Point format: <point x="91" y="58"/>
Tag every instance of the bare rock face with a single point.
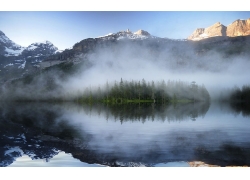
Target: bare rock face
<point x="142" y="32"/>
<point x="239" y="28"/>
<point x="196" y="33"/>
<point x="217" y="29"/>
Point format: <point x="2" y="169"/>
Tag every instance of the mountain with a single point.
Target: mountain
<point x="40" y="48"/>
<point x="91" y="44"/>
<point x="140" y="34"/>
<point x="179" y="53"/>
<point x="8" y="47"/>
<point x="16" y="60"/>
<point x="237" y="28"/>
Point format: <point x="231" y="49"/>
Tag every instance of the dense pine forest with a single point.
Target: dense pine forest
<point x="142" y="92"/>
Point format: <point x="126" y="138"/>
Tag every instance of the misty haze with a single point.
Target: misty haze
<point x="128" y="99"/>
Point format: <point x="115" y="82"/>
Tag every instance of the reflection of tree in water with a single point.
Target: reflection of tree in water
<point x="45" y="130"/>
<point x="150" y="112"/>
<point x="241" y="107"/>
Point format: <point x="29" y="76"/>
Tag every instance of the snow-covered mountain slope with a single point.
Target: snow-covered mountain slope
<point x="16" y="61"/>
<point x="8" y="47"/>
<point x="40" y="49"/>
<point x="44" y="44"/>
<point x="140" y="34"/>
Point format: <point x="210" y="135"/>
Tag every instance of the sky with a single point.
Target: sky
<point x="64" y="28"/>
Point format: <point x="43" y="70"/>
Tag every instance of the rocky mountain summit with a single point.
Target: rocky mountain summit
<point x="140" y="34"/>
<point x="112" y="39"/>
<point x="16" y="60"/>
<point x="39" y="50"/>
<point x="8" y="47"/>
<point x="237" y="28"/>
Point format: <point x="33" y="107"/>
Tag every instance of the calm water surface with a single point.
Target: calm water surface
<point x="43" y="134"/>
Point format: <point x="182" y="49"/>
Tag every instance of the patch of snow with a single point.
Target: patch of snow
<point x="31" y="47"/>
<point x="11" y="64"/>
<point x="196" y="39"/>
<point x="22" y="135"/>
<point x="19" y="60"/>
<point x="109" y="34"/>
<point x="14" y="149"/>
<point x="12" y="52"/>
<point x="22" y="65"/>
<point x="121" y="37"/>
<point x="204" y="35"/>
<point x="44" y="44"/>
<point x="9" y="137"/>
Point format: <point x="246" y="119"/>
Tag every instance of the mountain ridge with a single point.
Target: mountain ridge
<point x="41" y="55"/>
<point x="10" y="48"/>
<point x="238" y="28"/>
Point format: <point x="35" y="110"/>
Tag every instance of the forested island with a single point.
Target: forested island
<point x="160" y="92"/>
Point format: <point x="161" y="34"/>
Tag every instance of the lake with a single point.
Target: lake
<point x="98" y="135"/>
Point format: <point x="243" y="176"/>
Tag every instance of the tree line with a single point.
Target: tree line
<point x="143" y="92"/>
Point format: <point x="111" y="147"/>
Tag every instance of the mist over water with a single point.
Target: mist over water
<point x="145" y="122"/>
<point x="134" y="62"/>
<point x="97" y="134"/>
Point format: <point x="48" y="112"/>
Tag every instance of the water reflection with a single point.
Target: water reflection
<point x="116" y="136"/>
<point x="62" y="159"/>
<point x="149" y="112"/>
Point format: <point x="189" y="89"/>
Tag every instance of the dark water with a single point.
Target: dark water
<point x="45" y="134"/>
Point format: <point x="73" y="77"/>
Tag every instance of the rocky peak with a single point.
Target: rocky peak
<point x="196" y="33"/>
<point x="237" y="28"/>
<point x="217" y="29"/>
<point x="38" y="49"/>
<point x="142" y="32"/>
<point x="8" y="47"/>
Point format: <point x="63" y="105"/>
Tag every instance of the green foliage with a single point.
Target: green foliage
<point x="135" y="92"/>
